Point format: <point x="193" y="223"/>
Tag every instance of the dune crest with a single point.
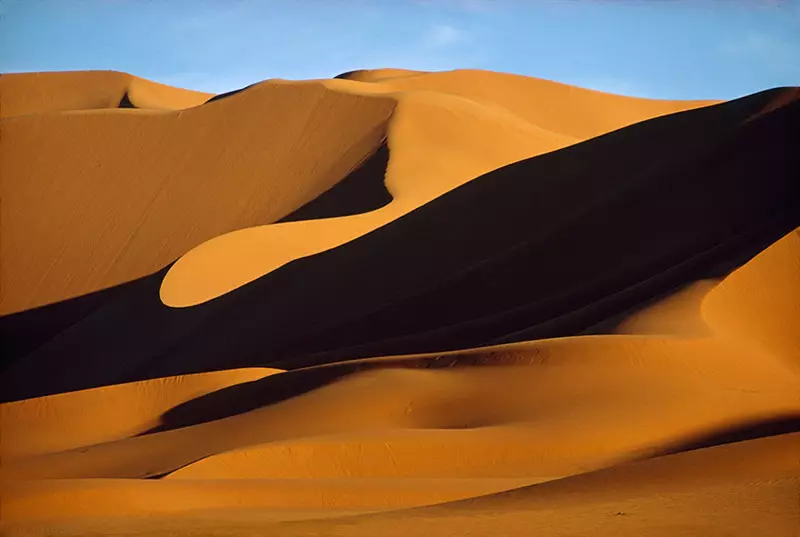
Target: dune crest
<point x="397" y="303"/>
<point x="448" y="128"/>
<point x="77" y="419"/>
<point x="149" y="179"/>
<point x="38" y="93"/>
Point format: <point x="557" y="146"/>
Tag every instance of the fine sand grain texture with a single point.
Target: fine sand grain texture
<point x="397" y="303"/>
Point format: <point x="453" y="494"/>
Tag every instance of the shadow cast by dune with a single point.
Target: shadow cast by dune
<point x="22" y="333"/>
<point x="227" y="94"/>
<point x="247" y="396"/>
<point x="244" y="397"/>
<point x="544" y="247"/>
<point x="125" y="102"/>
<point x="750" y="430"/>
<point x="363" y="190"/>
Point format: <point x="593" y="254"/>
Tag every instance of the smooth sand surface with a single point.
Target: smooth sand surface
<point x="73" y="420"/>
<point x="118" y="179"/>
<point x="249" y="158"/>
<point x="447" y="129"/>
<point x="645" y="385"/>
<point x="38" y="93"/>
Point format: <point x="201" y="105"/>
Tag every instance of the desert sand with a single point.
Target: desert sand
<point x="397" y="303"/>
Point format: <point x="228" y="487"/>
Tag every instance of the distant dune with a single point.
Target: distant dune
<point x="397" y="303"/>
<point x="39" y="93"/>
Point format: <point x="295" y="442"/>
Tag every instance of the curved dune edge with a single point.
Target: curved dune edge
<point x="726" y="490"/>
<point x="693" y="386"/>
<point x="588" y="434"/>
<point x="716" y="489"/>
<point x="440" y="136"/>
<point x="397" y="444"/>
<point x="758" y="305"/>
<point x="61" y="91"/>
<point x="72" y="420"/>
<point x="589" y="112"/>
<point x="247" y="160"/>
<point x="36" y="500"/>
<point x="678" y="314"/>
<point x="330" y="419"/>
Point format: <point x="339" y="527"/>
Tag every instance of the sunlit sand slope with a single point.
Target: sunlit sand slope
<point x="558" y="407"/>
<point x="137" y="187"/>
<point x="544" y="247"/>
<point x="134" y="190"/>
<point x="37" y="93"/>
<point x="397" y="303"/>
<point x="77" y="419"/>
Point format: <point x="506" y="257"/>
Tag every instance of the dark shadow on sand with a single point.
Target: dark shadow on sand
<point x="125" y="102"/>
<point x="750" y="430"/>
<point x="229" y="93"/>
<point x="363" y="190"/>
<point x="544" y="247"/>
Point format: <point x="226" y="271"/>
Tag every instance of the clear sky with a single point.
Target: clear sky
<point x="672" y="49"/>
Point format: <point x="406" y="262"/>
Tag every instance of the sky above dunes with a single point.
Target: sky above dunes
<point x="673" y="49"/>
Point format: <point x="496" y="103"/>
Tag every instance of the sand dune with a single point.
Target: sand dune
<point x="397" y="303"/>
<point x="175" y="166"/>
<point x="589" y="113"/>
<point x="38" y="93"/>
<point x="134" y="175"/>
<point x="537" y="411"/>
<point x="448" y="128"/>
<point x="758" y="306"/>
<point x="540" y="248"/>
<point x="723" y="490"/>
<point x="74" y="420"/>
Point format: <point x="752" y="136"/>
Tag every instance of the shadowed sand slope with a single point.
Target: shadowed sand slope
<point x="544" y="247"/>
<point x="147" y="185"/>
<point x="397" y="303"/>
<point x="133" y="190"/>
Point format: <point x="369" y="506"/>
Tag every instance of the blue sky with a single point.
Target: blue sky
<point x="674" y="49"/>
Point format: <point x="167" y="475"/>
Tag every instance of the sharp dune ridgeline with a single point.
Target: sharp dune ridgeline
<point x="396" y="303"/>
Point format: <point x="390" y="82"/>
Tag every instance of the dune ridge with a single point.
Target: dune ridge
<point x="159" y="177"/>
<point x="61" y="91"/>
<point x="163" y="149"/>
<point x="397" y="303"/>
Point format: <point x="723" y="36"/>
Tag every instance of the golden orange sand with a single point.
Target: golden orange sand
<point x="249" y="159"/>
<point x="389" y="437"/>
<point x="37" y="93"/>
<point x="656" y="427"/>
<point x="137" y="199"/>
<point x="447" y="128"/>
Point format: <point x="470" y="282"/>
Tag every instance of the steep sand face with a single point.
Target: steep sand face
<point x="540" y="248"/>
<point x="758" y="306"/>
<point x="675" y="418"/>
<point x="39" y="93"/>
<point x="131" y="190"/>
<point x="278" y="164"/>
<point x="448" y="128"/>
<point x="679" y="314"/>
<point x="436" y="143"/>
<point x="589" y="113"/>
